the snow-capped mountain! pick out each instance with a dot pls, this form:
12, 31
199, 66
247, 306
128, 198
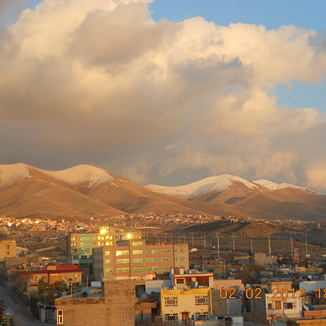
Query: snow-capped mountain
219, 184
84, 190
216, 184
277, 186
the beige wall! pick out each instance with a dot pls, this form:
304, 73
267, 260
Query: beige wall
116, 307
8, 248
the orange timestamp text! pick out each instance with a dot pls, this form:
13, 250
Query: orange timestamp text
277, 293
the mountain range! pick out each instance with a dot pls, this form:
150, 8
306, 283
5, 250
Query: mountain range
85, 191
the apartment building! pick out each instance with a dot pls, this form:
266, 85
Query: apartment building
8, 249
80, 245
135, 259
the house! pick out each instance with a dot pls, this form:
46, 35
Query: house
276, 300
69, 274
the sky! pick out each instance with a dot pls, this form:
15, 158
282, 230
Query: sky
168, 91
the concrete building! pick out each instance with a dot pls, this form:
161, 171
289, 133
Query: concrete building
180, 305
69, 274
8, 249
278, 300
134, 259
80, 245
117, 304
189, 298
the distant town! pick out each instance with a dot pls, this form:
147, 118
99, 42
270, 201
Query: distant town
162, 269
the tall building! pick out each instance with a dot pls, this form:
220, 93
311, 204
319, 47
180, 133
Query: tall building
80, 245
134, 259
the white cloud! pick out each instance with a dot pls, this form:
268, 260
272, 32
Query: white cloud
100, 82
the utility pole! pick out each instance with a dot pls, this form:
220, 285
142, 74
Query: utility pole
233, 242
269, 245
251, 245
306, 245
218, 247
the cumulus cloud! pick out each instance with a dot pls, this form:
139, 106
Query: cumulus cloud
101, 82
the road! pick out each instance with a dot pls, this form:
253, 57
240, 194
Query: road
22, 314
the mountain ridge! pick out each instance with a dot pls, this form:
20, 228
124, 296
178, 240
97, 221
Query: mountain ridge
83, 191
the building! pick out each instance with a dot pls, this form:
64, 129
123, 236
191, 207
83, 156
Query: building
278, 300
117, 304
80, 245
71, 275
8, 249
134, 259
189, 298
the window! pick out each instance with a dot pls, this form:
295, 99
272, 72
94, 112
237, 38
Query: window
171, 301
165, 268
278, 304
60, 317
123, 261
137, 260
165, 259
269, 306
152, 251
138, 269
122, 252
137, 252
107, 270
123, 270
201, 300
171, 317
180, 281
107, 261
138, 243
182, 250
152, 259
202, 316
182, 258
107, 253
288, 305
165, 251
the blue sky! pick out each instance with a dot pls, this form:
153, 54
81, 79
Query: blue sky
170, 101
271, 14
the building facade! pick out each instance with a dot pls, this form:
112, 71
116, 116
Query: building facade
116, 305
8, 249
80, 245
134, 259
